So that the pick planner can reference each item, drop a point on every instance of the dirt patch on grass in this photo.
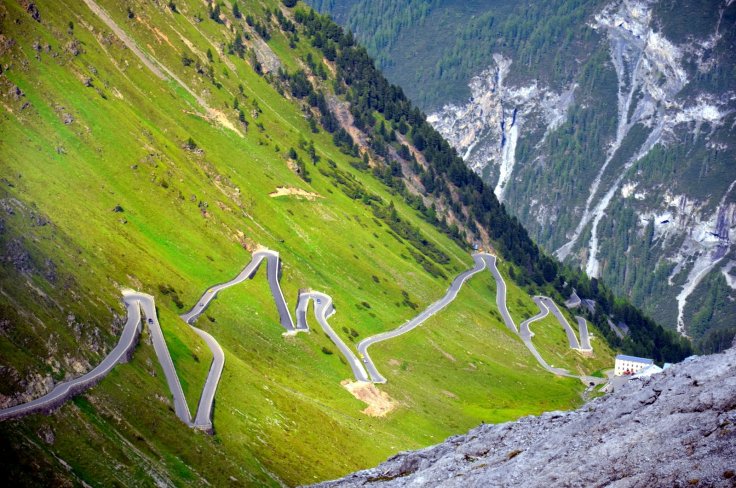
(394, 362)
(247, 243)
(221, 118)
(379, 403)
(283, 191)
(160, 36)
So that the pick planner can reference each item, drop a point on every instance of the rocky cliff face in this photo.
(486, 129)
(677, 428)
(667, 161)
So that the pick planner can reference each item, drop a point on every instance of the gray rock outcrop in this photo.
(677, 428)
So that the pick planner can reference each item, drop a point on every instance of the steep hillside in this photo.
(159, 147)
(611, 441)
(606, 127)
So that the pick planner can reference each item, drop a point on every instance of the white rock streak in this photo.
(641, 58)
(508, 158)
(712, 242)
(486, 129)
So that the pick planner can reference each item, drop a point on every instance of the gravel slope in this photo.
(677, 428)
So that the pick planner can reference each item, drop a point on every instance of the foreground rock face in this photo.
(677, 428)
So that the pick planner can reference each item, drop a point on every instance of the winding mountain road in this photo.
(364, 369)
(480, 264)
(584, 336)
(67, 389)
(273, 273)
(135, 303)
(571, 337)
(526, 336)
(323, 309)
(483, 260)
(203, 419)
(546, 305)
(501, 294)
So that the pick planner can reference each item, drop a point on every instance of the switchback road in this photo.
(323, 309)
(363, 367)
(480, 264)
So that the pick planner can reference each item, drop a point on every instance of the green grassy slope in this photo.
(101, 130)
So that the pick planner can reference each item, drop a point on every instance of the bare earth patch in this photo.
(220, 117)
(283, 191)
(379, 403)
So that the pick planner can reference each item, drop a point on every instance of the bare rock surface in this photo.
(677, 428)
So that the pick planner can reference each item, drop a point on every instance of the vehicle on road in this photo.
(150, 321)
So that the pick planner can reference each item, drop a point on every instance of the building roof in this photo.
(624, 357)
(648, 371)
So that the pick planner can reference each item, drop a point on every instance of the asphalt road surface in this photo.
(480, 264)
(545, 305)
(501, 294)
(164, 358)
(323, 309)
(584, 336)
(526, 336)
(62, 390)
(203, 420)
(273, 271)
(571, 337)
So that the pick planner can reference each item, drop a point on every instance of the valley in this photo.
(155, 156)
(606, 127)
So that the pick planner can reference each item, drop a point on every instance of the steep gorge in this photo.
(608, 128)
